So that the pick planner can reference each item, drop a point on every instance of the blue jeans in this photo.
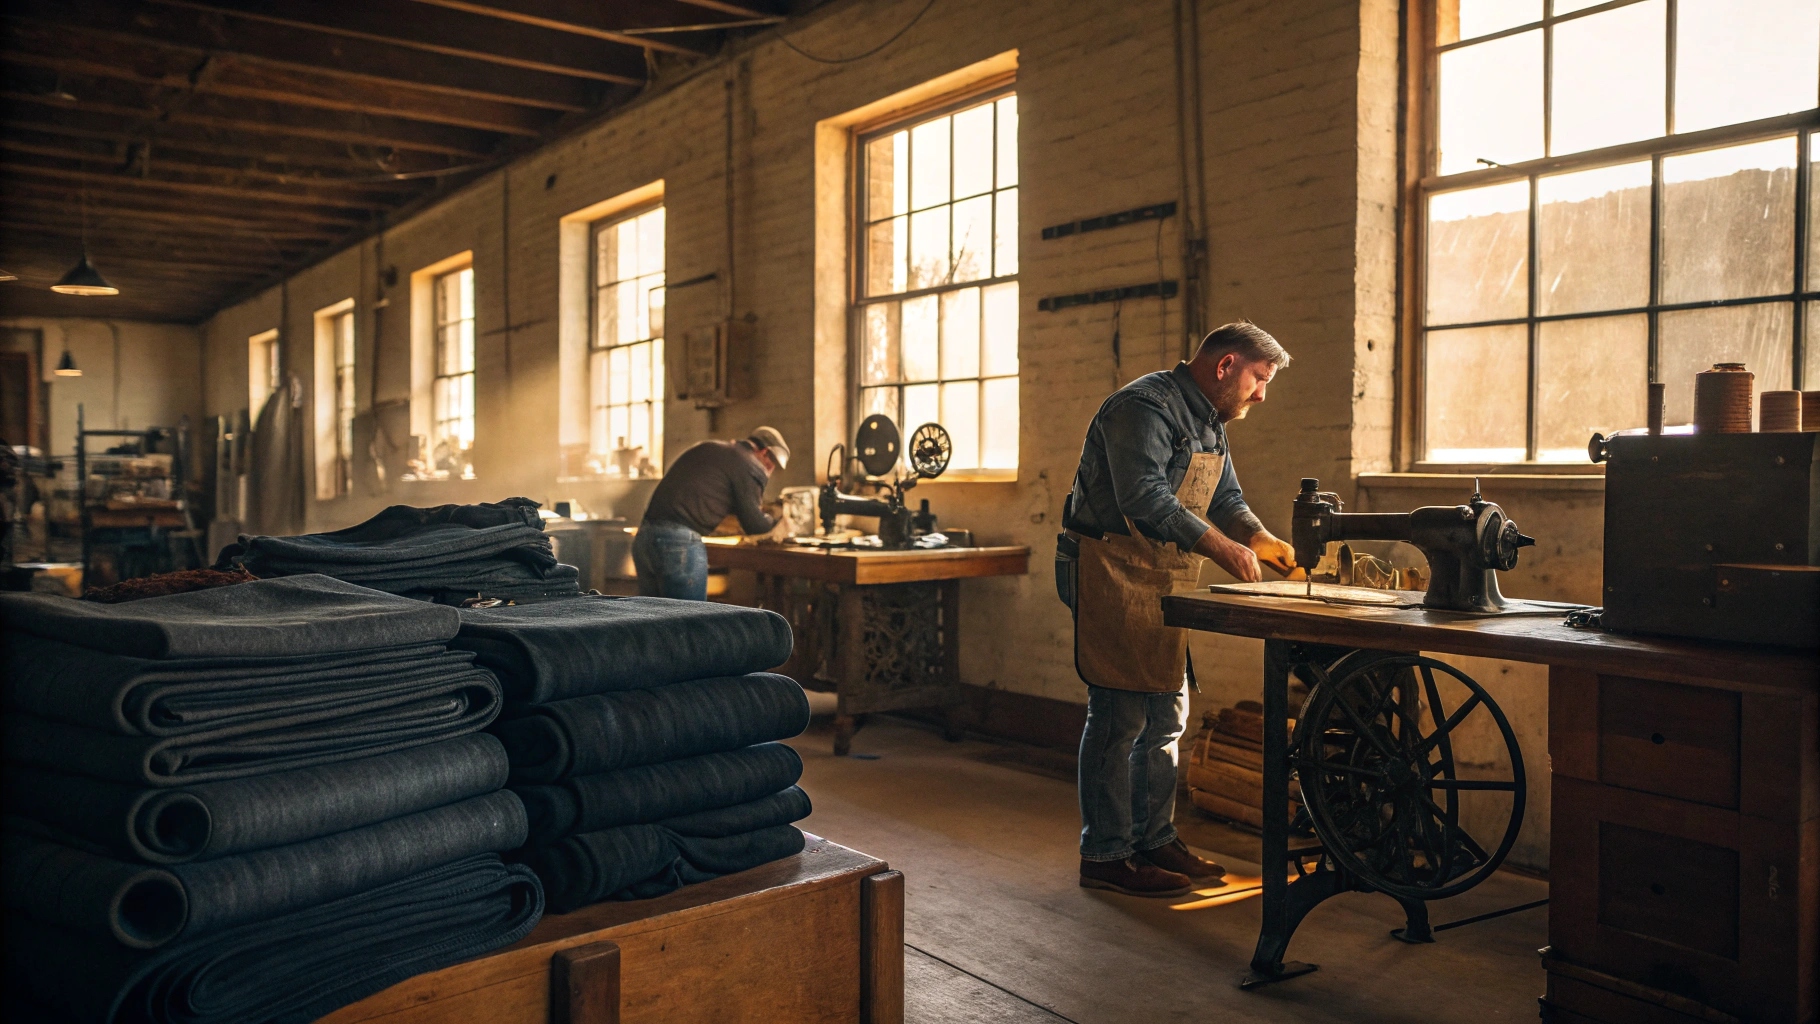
(671, 561)
(1127, 782)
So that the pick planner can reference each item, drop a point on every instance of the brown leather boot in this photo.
(1175, 856)
(1133, 877)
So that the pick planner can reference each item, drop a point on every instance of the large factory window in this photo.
(1612, 198)
(452, 389)
(334, 399)
(935, 326)
(262, 368)
(626, 353)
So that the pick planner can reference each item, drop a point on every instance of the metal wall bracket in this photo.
(1157, 289)
(1110, 220)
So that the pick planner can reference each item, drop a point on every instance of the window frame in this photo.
(438, 326)
(980, 94)
(345, 395)
(1419, 124)
(657, 341)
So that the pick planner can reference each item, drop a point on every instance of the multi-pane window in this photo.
(936, 319)
(341, 336)
(626, 354)
(452, 390)
(261, 369)
(1614, 199)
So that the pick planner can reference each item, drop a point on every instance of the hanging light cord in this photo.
(858, 56)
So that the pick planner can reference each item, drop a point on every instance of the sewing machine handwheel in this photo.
(875, 444)
(930, 450)
(1374, 752)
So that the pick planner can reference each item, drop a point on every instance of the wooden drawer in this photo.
(1579, 996)
(1679, 741)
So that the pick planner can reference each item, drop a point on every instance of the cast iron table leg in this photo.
(1284, 904)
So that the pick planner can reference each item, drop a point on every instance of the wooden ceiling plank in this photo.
(737, 10)
(121, 155)
(580, 17)
(276, 153)
(101, 197)
(15, 167)
(163, 229)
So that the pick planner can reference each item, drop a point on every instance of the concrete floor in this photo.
(999, 929)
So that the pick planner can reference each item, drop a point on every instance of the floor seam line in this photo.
(993, 984)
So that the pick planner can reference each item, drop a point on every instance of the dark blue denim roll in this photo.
(299, 617)
(215, 819)
(85, 891)
(290, 969)
(589, 735)
(651, 793)
(561, 649)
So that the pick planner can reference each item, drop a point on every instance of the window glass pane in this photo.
(651, 242)
(606, 253)
(878, 353)
(1592, 232)
(656, 449)
(998, 444)
(879, 400)
(606, 317)
(1610, 75)
(1760, 336)
(1479, 17)
(922, 404)
(1007, 142)
(973, 151)
(1813, 233)
(1738, 60)
(1728, 222)
(1591, 375)
(1570, 6)
(1478, 254)
(886, 244)
(929, 248)
(619, 369)
(887, 165)
(654, 299)
(972, 239)
(597, 401)
(1810, 353)
(465, 281)
(1491, 103)
(639, 377)
(626, 260)
(929, 163)
(1001, 328)
(961, 415)
(619, 425)
(1475, 401)
(1005, 235)
(961, 333)
(638, 424)
(919, 334)
(627, 298)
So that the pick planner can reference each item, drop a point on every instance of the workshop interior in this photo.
(910, 511)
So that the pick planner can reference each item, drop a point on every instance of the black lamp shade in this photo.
(66, 367)
(84, 279)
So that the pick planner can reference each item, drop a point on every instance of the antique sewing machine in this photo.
(1466, 545)
(876, 447)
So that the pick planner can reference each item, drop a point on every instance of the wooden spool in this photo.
(1722, 399)
(1810, 410)
(1781, 412)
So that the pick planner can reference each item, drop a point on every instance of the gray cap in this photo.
(769, 439)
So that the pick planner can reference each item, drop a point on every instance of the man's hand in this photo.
(1272, 552)
(1231, 556)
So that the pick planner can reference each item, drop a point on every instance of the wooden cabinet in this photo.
(1685, 849)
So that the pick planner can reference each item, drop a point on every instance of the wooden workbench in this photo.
(818, 937)
(881, 628)
(1685, 830)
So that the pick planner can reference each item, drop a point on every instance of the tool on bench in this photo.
(876, 449)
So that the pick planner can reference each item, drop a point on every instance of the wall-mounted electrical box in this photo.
(716, 364)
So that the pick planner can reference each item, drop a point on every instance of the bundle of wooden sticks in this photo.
(1226, 765)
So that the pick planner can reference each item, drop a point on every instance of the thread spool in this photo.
(1810, 411)
(1722, 399)
(1781, 412)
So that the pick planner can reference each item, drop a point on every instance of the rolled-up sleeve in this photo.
(1139, 443)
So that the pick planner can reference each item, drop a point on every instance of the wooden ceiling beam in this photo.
(111, 261)
(455, 34)
(200, 34)
(127, 155)
(279, 154)
(154, 228)
(743, 11)
(579, 17)
(101, 198)
(21, 167)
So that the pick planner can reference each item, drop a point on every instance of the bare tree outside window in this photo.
(626, 353)
(1619, 193)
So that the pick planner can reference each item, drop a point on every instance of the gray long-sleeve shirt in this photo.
(1136, 453)
(708, 483)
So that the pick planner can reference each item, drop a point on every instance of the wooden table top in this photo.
(1542, 639)
(868, 566)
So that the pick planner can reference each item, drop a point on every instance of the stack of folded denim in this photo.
(259, 802)
(642, 740)
(449, 554)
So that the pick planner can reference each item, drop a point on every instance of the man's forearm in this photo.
(1243, 526)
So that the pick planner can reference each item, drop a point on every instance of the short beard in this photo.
(1225, 400)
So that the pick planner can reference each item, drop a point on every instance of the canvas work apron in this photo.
(1120, 641)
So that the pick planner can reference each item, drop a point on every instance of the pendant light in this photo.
(66, 367)
(83, 278)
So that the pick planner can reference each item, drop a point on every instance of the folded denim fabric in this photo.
(508, 581)
(146, 908)
(653, 792)
(306, 616)
(641, 861)
(589, 735)
(178, 696)
(215, 819)
(398, 533)
(291, 969)
(438, 708)
(561, 649)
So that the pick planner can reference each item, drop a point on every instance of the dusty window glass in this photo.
(1740, 60)
(1590, 376)
(1476, 380)
(1609, 79)
(1478, 254)
(1592, 230)
(1469, 19)
(1728, 222)
(1761, 336)
(626, 366)
(1491, 102)
(1810, 349)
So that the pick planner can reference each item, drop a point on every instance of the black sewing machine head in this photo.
(876, 449)
(1466, 545)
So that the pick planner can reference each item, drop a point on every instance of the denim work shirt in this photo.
(1137, 451)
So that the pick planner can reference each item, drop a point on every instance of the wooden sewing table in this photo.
(879, 628)
(1684, 857)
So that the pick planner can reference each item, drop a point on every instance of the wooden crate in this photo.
(817, 937)
(1685, 847)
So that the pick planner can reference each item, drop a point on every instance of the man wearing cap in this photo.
(706, 484)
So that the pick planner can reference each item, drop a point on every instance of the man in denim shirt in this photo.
(1155, 495)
